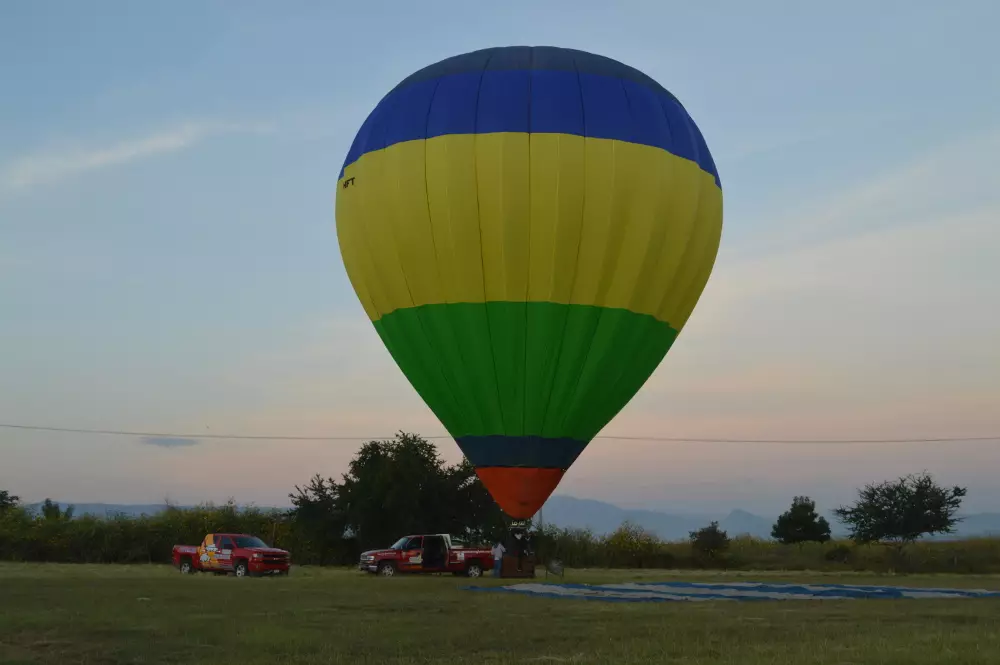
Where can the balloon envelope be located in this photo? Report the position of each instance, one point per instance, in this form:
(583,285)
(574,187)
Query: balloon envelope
(529,229)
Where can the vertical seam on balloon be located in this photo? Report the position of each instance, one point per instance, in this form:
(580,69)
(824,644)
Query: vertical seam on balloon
(365,236)
(449,384)
(342,232)
(482,259)
(461,393)
(690,228)
(418,311)
(527,281)
(705,263)
(600,310)
(689,267)
(386,341)
(576,264)
(612,392)
(688,294)
(629,303)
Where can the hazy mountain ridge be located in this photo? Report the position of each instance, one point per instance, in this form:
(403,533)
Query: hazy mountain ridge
(601,518)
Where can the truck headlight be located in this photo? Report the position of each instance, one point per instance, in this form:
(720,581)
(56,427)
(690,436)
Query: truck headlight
(257,555)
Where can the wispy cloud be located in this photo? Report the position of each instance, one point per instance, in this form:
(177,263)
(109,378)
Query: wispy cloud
(51,165)
(169,441)
(953,178)
(754,140)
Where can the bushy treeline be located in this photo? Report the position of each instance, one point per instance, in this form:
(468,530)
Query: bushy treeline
(401,487)
(51,535)
(632,547)
(392,488)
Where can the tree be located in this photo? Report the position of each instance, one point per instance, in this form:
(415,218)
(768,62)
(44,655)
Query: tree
(801,524)
(53,513)
(401,486)
(318,517)
(900,511)
(710,540)
(630,544)
(8,501)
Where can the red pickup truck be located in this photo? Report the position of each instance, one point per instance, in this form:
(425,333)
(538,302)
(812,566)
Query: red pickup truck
(238,553)
(434,553)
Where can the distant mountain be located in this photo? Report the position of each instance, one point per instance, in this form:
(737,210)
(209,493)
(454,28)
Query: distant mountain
(978,524)
(106,509)
(602,518)
(740,522)
(112,509)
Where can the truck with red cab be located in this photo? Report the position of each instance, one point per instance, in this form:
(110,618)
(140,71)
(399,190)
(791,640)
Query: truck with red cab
(238,553)
(428,553)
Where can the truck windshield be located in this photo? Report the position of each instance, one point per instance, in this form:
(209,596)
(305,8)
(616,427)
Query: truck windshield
(249,541)
(398,545)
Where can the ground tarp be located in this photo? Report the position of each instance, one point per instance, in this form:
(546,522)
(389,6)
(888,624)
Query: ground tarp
(699,591)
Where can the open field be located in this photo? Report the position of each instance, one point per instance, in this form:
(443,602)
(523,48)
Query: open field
(52,613)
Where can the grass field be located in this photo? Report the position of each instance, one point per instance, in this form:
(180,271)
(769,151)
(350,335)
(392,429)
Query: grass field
(150,614)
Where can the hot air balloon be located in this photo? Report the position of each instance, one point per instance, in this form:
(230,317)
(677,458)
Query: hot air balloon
(528,229)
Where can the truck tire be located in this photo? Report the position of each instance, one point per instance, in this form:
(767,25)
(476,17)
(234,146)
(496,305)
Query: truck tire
(186,568)
(386,569)
(241,569)
(474,569)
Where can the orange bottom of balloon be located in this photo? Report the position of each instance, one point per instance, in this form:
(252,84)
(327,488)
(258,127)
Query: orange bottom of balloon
(519,491)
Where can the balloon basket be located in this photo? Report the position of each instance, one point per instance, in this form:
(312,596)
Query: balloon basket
(519,558)
(513,566)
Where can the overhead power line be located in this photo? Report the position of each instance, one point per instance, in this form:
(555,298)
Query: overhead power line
(666,439)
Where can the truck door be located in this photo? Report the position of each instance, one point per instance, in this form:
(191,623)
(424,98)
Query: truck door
(435,554)
(413,554)
(207,552)
(225,554)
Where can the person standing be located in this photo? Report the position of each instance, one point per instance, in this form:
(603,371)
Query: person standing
(498,550)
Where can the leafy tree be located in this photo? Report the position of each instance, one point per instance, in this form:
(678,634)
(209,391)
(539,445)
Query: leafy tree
(710,541)
(631,545)
(53,513)
(318,516)
(801,524)
(8,501)
(900,511)
(398,487)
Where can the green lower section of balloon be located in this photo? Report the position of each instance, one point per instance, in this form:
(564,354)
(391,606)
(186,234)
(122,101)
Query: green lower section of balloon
(517,368)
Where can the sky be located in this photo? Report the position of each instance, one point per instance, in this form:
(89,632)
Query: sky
(169,260)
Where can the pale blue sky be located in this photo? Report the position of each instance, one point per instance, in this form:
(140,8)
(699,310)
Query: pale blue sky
(168,257)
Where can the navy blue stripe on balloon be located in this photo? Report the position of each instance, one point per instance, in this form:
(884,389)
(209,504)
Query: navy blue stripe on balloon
(550,58)
(533,452)
(533,101)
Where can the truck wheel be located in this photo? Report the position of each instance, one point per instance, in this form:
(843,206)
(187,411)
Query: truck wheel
(185,567)
(241,569)
(386,569)
(474,570)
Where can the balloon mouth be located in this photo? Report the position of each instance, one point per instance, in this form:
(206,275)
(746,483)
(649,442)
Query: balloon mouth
(519,491)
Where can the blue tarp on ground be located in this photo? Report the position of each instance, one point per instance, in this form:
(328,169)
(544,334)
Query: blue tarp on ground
(701,591)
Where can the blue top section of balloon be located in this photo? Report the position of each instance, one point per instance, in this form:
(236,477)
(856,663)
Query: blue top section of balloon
(533,90)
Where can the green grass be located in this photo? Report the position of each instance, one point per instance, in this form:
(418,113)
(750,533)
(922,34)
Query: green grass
(51,613)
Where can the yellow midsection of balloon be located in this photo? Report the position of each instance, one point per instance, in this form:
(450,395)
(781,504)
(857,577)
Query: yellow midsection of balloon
(528,217)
